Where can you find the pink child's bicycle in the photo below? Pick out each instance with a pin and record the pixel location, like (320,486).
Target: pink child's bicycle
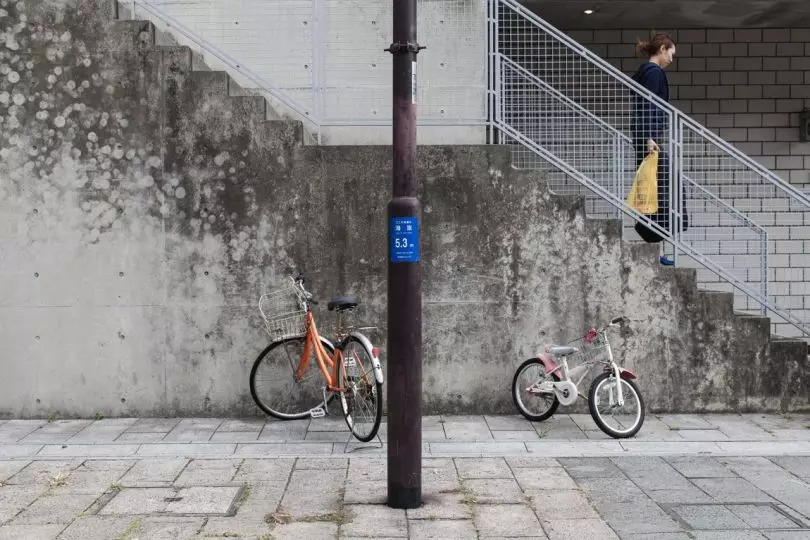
(541,384)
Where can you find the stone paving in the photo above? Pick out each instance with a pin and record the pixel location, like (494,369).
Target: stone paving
(711,477)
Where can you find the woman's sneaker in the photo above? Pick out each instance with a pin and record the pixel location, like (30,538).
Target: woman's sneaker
(666,261)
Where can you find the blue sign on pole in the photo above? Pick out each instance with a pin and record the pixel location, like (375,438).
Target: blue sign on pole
(404,239)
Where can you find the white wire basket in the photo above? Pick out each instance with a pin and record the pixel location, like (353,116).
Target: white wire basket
(591,348)
(283,311)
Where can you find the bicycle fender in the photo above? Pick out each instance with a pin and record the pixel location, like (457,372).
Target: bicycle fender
(548,362)
(375,360)
(627,373)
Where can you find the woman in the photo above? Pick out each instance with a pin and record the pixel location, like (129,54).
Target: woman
(650,125)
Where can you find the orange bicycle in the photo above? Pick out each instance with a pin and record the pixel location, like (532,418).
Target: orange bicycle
(299,373)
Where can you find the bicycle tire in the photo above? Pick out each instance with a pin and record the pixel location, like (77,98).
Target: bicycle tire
(369,386)
(597,416)
(529,415)
(304,411)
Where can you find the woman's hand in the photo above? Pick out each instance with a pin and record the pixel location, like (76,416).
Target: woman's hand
(651,146)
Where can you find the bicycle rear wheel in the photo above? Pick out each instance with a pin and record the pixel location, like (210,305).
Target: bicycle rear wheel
(273,383)
(362,400)
(620,422)
(532,404)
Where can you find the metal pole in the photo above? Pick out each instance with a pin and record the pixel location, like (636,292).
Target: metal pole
(404,367)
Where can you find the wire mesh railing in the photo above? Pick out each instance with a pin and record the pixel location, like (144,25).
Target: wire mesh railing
(563,108)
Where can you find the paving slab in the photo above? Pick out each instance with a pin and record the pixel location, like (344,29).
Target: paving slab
(470,468)
(52,509)
(305,503)
(561,504)
(166,528)
(440,506)
(15,430)
(88,450)
(10,468)
(153,425)
(442,529)
(98,528)
(636,517)
(495,491)
(552,478)
(787,535)
(207,500)
(374,520)
(107,430)
(56,432)
(577,529)
(508,423)
(186,449)
(208,472)
(507,520)
(797,465)
(468,431)
(241,425)
(478,448)
(285,449)
(706,517)
(732,490)
(726,535)
(760,516)
(265,470)
(30,532)
(685,421)
(154,472)
(305,531)
(700,467)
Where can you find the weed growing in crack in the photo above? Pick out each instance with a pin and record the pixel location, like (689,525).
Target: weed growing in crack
(279,517)
(58,479)
(133,527)
(341,517)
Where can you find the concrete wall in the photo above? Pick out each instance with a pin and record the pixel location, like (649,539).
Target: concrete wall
(142,210)
(329,57)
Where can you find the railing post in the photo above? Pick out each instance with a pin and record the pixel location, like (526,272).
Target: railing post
(496,61)
(764,276)
(490,72)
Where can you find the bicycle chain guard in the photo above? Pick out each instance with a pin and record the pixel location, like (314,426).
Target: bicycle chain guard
(566,392)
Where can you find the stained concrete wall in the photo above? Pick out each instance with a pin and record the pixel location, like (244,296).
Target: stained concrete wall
(143,210)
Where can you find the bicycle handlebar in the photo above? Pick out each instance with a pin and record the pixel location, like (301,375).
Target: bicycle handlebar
(299,282)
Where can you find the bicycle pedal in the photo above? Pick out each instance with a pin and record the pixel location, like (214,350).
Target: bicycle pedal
(317,412)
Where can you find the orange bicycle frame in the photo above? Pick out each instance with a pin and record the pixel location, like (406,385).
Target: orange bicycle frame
(325,363)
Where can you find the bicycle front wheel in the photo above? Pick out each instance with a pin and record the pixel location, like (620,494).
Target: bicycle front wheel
(620,422)
(274,385)
(362,399)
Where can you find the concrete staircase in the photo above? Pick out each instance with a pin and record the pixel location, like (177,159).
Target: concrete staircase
(188,200)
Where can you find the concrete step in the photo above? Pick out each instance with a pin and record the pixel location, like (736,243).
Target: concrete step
(137,34)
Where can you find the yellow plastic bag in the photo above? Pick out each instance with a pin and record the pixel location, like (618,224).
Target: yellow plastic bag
(644,192)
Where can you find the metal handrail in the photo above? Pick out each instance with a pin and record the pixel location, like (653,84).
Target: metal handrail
(683,133)
(621,77)
(565,99)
